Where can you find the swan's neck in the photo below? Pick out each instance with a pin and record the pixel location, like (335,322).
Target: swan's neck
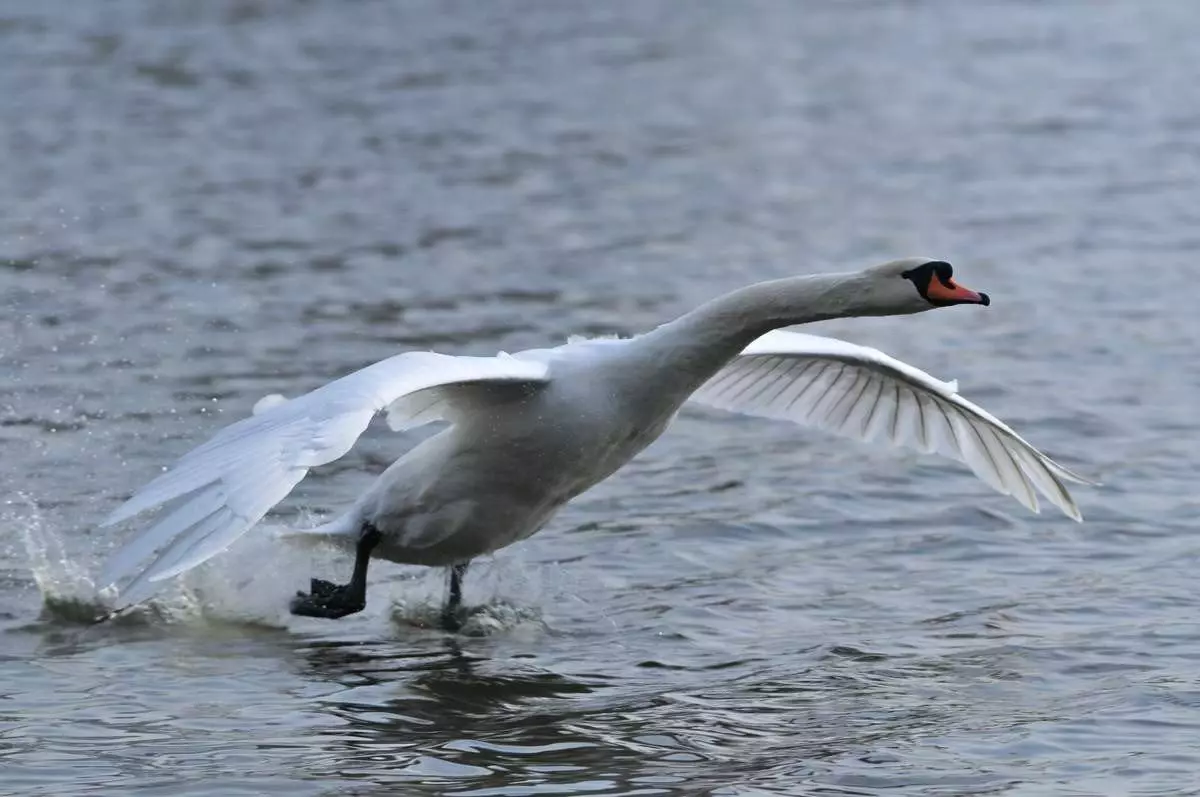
(737,318)
(752,311)
(698,344)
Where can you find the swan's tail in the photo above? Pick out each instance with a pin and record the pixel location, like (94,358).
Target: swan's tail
(341,530)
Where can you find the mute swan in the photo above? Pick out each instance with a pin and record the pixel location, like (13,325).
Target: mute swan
(532,430)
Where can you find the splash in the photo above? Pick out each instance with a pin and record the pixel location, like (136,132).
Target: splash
(500,599)
(69,595)
(247,585)
(478,621)
(250,584)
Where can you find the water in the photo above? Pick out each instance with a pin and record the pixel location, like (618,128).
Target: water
(208,202)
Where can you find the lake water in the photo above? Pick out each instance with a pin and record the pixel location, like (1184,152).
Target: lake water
(207,202)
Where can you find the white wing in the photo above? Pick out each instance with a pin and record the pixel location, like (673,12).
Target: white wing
(863,393)
(218,491)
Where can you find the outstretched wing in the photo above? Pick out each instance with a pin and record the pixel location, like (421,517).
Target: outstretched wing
(218,491)
(859,392)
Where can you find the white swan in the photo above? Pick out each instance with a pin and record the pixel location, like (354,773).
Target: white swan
(530,431)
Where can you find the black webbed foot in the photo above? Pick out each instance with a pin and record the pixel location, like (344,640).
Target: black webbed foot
(320,588)
(328,600)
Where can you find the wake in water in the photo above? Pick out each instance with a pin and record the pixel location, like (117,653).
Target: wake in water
(249,585)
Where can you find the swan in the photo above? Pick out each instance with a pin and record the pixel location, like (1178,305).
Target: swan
(529,431)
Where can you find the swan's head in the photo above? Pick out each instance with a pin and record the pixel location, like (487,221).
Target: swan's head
(916,284)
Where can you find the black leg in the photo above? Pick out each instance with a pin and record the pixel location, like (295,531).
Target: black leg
(326,599)
(450,619)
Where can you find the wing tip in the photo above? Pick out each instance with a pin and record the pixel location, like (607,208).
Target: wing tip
(1072,476)
(1070,508)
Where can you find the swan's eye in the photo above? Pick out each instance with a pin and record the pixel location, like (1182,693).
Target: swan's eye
(943,270)
(924,273)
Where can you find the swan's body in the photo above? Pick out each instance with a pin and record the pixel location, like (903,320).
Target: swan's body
(505,467)
(530,431)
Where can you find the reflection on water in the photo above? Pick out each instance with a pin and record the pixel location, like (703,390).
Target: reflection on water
(210,202)
(478,715)
(405,704)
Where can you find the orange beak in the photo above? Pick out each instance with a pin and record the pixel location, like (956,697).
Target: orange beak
(951,292)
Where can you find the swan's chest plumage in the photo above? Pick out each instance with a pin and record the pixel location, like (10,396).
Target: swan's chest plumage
(482,485)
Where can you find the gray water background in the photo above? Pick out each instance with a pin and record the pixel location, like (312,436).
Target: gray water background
(206,202)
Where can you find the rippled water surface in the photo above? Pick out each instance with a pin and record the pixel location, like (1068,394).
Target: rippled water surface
(206,202)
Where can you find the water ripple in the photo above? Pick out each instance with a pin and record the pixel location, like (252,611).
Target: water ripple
(211,202)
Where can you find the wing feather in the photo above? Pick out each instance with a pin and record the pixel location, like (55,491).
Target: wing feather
(184,513)
(880,418)
(146,583)
(859,392)
(222,488)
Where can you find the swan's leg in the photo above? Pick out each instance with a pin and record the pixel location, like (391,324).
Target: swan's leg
(450,620)
(326,599)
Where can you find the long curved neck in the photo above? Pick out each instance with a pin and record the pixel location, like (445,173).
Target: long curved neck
(747,313)
(732,321)
(696,345)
